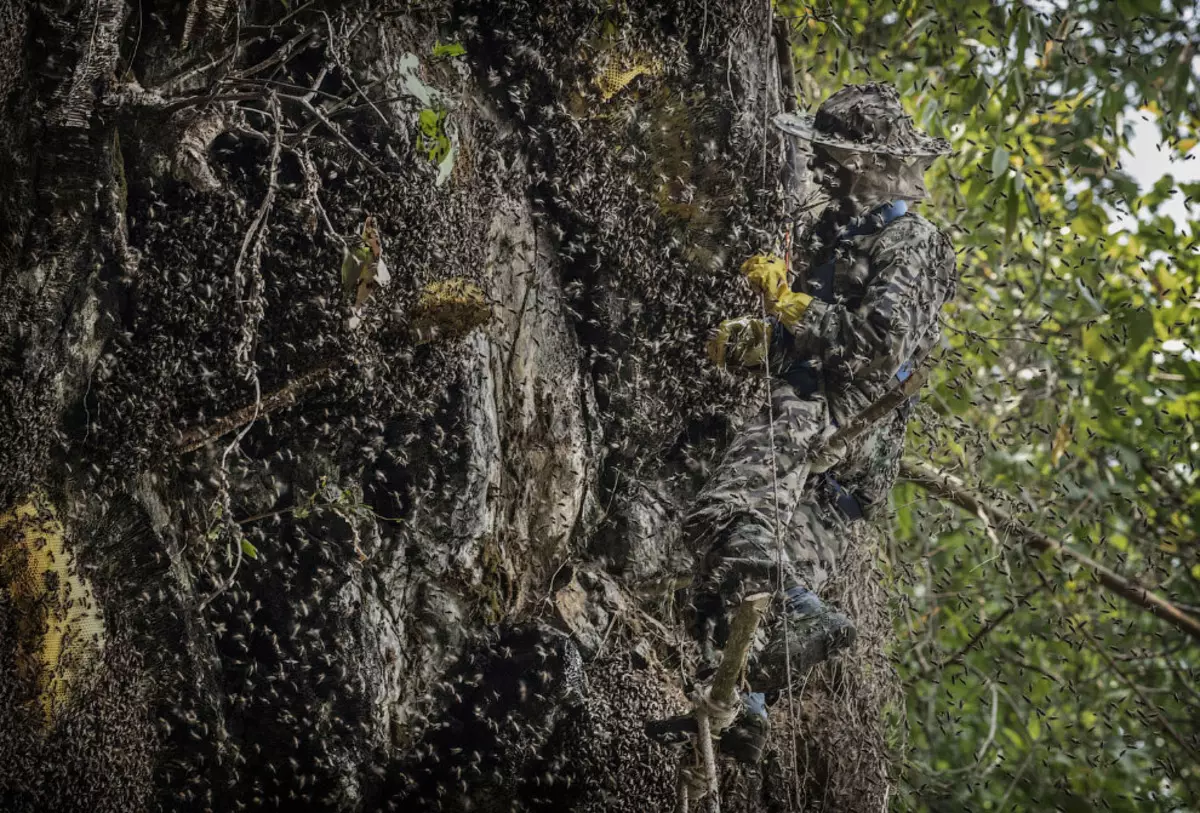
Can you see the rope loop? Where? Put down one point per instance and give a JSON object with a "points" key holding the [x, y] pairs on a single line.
{"points": [[720, 715]]}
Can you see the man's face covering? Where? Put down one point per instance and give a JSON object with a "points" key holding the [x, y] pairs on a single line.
{"points": [[876, 178]]}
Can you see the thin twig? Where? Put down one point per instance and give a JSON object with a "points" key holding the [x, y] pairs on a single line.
{"points": [[346, 73], [250, 258], [982, 633], [312, 192], [283, 20], [1095, 645], [281, 55], [290, 86], [200, 99], [315, 88], [235, 533], [163, 86], [333, 128], [1016, 778], [991, 735]]}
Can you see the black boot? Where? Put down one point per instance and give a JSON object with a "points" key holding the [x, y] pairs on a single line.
{"points": [[746, 737], [809, 633]]}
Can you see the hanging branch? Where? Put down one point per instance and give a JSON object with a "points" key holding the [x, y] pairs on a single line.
{"points": [[950, 488], [285, 396], [247, 270]]}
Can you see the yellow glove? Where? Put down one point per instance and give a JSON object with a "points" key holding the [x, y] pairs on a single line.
{"points": [[789, 308], [741, 341], [767, 274]]}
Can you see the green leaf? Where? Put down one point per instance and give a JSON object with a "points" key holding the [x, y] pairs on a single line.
{"points": [[448, 50], [249, 549], [1160, 192], [999, 160], [1140, 324], [1125, 185], [1010, 215], [431, 136], [1014, 737], [429, 120], [1023, 38]]}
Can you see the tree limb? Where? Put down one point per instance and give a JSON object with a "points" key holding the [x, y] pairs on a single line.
{"points": [[951, 489], [285, 396]]}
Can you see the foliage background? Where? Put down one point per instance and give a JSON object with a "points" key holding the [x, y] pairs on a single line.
{"points": [[1067, 391]]}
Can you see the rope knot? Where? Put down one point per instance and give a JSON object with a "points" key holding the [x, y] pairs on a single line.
{"points": [[720, 715]]}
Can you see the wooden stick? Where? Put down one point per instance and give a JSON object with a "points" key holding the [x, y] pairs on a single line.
{"points": [[865, 419], [733, 659], [722, 695]]}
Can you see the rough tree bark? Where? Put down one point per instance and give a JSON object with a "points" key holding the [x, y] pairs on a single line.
{"points": [[243, 541]]}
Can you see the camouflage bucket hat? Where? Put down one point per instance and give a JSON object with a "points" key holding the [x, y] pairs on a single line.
{"points": [[864, 118]]}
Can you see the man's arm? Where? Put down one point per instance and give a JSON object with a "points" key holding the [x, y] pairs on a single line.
{"points": [[871, 470], [913, 265]]}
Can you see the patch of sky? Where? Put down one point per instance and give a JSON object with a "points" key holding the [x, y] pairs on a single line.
{"points": [[1147, 160]]}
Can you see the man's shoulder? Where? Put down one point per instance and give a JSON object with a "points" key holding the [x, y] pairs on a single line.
{"points": [[915, 225], [912, 231]]}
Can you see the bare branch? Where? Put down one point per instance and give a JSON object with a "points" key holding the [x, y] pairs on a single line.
{"points": [[249, 259], [983, 632], [281, 398], [280, 56], [333, 128], [949, 488], [312, 193], [349, 77]]}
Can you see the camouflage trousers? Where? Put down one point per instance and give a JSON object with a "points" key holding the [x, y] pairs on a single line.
{"points": [[731, 529]]}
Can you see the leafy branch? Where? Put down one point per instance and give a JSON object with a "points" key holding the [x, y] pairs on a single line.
{"points": [[950, 488]]}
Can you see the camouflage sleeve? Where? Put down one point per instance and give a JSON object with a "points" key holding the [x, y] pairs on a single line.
{"points": [[872, 471], [912, 265]]}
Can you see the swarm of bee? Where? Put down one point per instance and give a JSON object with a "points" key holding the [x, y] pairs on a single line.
{"points": [[294, 577]]}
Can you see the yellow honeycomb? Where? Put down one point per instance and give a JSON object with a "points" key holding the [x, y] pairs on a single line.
{"points": [[59, 627]]}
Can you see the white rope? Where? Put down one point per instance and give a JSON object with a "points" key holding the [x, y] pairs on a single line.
{"points": [[787, 654], [720, 714], [713, 716], [794, 797]]}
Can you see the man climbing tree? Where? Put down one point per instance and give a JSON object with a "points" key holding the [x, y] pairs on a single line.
{"points": [[843, 336]]}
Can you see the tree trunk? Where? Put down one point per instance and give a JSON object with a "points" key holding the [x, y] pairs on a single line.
{"points": [[249, 527]]}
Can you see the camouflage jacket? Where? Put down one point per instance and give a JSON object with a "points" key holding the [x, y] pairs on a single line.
{"points": [[882, 314]]}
